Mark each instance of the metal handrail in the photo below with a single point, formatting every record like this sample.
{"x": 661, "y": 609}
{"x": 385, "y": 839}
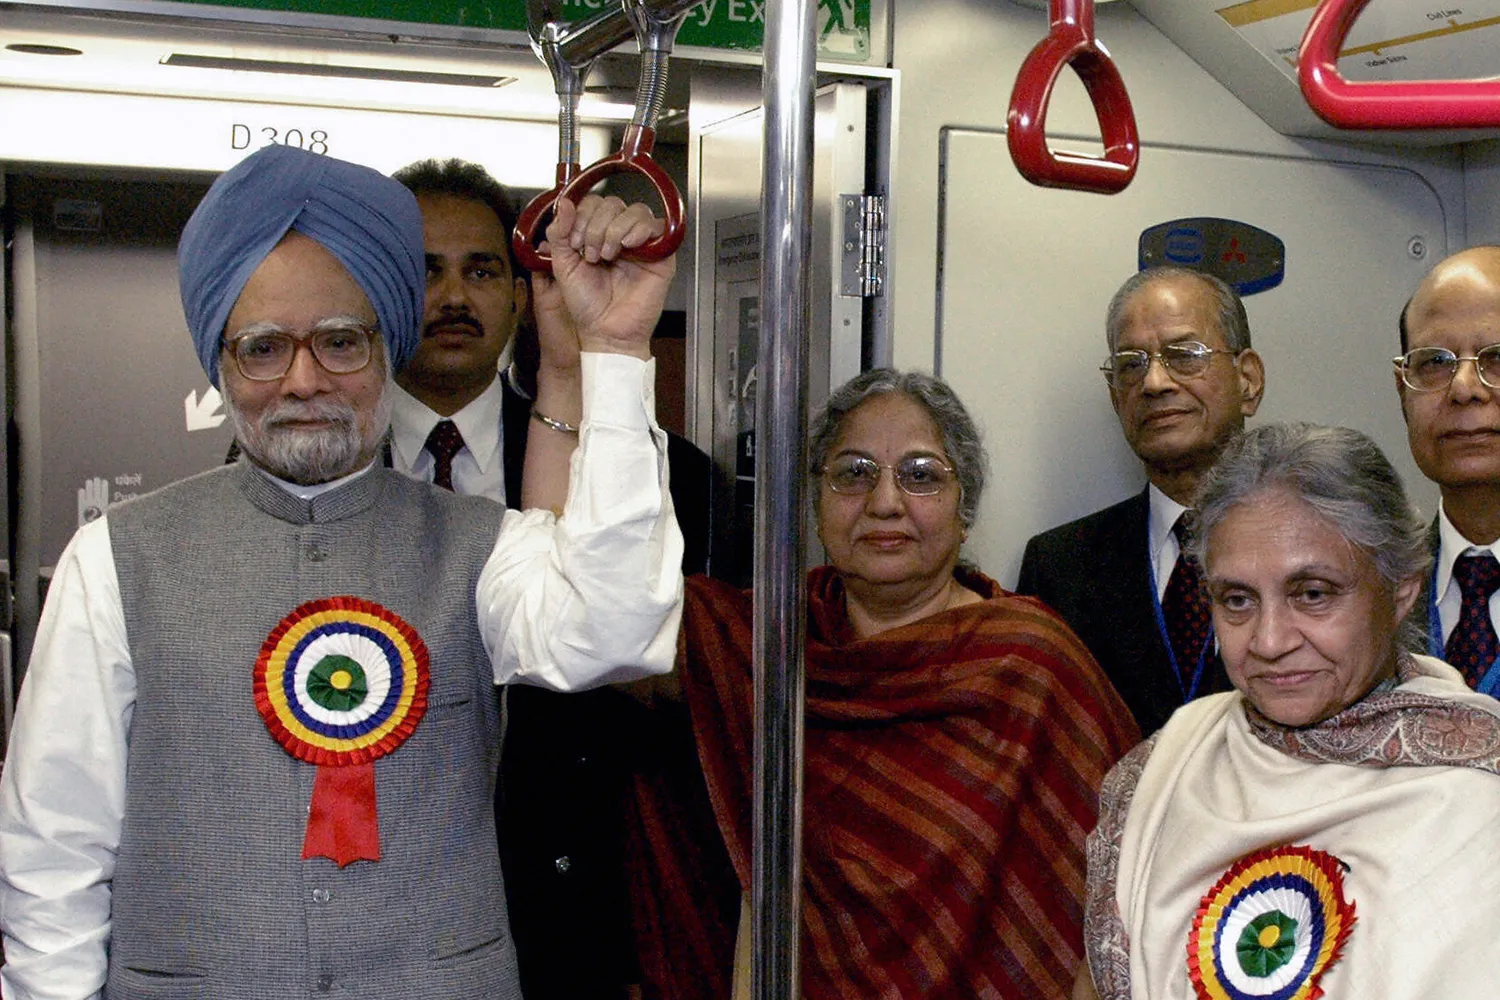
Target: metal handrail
{"x": 569, "y": 51}
{"x": 1390, "y": 104}
{"x": 1071, "y": 42}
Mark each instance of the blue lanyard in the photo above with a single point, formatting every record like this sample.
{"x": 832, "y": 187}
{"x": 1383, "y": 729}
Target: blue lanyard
{"x": 1191, "y": 691}
{"x": 1488, "y": 684}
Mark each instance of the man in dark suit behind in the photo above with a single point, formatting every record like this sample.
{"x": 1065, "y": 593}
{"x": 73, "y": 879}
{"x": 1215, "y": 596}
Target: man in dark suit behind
{"x": 566, "y": 763}
{"x": 1182, "y": 378}
{"x": 1448, "y": 378}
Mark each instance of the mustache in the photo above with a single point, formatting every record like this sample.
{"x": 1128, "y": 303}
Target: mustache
{"x": 290, "y": 411}
{"x": 449, "y": 320}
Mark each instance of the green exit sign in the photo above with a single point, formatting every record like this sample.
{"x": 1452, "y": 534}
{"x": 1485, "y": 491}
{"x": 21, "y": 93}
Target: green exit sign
{"x": 843, "y": 25}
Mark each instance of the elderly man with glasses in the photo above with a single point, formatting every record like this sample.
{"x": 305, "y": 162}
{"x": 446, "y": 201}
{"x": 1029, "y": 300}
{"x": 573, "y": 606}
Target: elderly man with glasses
{"x": 1183, "y": 379}
{"x": 255, "y": 751}
{"x": 1448, "y": 379}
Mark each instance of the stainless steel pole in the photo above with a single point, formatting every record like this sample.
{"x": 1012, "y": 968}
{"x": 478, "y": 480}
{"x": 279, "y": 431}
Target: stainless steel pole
{"x": 780, "y": 478}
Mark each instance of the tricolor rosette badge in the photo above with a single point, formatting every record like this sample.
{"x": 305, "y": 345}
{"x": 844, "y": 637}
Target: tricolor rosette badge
{"x": 1270, "y": 927}
{"x": 340, "y": 683}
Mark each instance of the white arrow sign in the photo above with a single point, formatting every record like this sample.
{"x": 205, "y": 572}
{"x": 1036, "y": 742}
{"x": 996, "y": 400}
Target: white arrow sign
{"x": 203, "y": 414}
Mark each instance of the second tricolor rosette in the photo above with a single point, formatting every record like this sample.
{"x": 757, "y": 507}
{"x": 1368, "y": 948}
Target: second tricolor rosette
{"x": 1270, "y": 927}
{"x": 340, "y": 683}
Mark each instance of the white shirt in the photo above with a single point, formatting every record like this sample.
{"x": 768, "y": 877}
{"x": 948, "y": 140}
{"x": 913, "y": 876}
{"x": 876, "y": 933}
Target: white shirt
{"x": 592, "y": 597}
{"x": 1451, "y": 545}
{"x": 479, "y": 466}
{"x": 1163, "y": 544}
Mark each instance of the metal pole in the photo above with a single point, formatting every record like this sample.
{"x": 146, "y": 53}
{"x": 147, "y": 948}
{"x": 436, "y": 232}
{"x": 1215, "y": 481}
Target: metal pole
{"x": 781, "y": 445}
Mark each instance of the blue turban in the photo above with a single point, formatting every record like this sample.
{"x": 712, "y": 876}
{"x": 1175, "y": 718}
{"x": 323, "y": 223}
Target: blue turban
{"x": 369, "y": 222}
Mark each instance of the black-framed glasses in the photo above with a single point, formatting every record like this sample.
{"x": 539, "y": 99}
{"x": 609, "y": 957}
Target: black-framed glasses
{"x": 1184, "y": 360}
{"x": 917, "y": 476}
{"x": 267, "y": 356}
{"x": 1431, "y": 369}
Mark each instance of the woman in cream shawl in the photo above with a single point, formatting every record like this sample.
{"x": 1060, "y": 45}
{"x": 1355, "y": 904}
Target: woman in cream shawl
{"x": 1332, "y": 826}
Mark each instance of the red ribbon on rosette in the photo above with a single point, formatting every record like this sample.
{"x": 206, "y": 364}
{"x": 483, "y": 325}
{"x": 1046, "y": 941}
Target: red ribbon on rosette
{"x": 340, "y": 683}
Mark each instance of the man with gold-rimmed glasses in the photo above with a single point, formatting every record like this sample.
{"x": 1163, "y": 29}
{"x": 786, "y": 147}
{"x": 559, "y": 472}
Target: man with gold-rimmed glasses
{"x": 1182, "y": 378}
{"x": 1448, "y": 378}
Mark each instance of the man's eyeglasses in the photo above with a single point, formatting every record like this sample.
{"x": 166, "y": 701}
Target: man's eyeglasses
{"x": 266, "y": 357}
{"x": 918, "y": 476}
{"x": 1430, "y": 369}
{"x": 1184, "y": 360}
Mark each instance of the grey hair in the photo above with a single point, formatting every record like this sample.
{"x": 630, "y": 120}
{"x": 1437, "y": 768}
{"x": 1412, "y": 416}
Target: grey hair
{"x": 1338, "y": 472}
{"x": 959, "y": 435}
{"x": 1234, "y": 325}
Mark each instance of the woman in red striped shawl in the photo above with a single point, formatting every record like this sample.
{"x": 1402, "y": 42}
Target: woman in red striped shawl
{"x": 956, "y": 737}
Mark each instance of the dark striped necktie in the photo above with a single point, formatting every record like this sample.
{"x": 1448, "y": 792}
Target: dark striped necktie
{"x": 1185, "y": 608}
{"x": 443, "y": 443}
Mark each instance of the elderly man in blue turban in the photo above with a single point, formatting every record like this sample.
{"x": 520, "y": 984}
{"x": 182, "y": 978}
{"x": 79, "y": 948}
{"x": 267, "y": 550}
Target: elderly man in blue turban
{"x": 256, "y": 747}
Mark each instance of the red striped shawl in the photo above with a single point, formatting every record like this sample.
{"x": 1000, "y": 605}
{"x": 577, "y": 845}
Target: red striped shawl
{"x": 952, "y": 773}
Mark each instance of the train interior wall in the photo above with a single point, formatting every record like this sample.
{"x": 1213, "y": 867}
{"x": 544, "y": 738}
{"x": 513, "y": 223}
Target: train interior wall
{"x": 995, "y": 284}
{"x": 1001, "y": 287}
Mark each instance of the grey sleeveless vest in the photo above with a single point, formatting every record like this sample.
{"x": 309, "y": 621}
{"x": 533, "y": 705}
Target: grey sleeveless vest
{"x": 211, "y": 897}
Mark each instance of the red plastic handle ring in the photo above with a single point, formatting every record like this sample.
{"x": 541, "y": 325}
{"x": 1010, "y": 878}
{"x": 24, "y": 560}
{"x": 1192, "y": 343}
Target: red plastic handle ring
{"x": 1071, "y": 43}
{"x": 523, "y": 238}
{"x": 634, "y": 157}
{"x": 1389, "y": 104}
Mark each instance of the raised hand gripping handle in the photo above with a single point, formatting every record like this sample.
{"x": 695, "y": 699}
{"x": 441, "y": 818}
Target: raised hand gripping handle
{"x": 1071, "y": 43}
{"x": 634, "y": 156}
{"x": 1393, "y": 104}
{"x": 523, "y": 238}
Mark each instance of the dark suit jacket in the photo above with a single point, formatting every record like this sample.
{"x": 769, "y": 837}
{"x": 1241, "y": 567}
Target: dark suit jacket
{"x": 1095, "y": 574}
{"x": 564, "y": 774}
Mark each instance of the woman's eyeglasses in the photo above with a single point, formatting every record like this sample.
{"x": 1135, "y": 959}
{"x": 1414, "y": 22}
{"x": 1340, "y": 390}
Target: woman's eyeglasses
{"x": 918, "y": 476}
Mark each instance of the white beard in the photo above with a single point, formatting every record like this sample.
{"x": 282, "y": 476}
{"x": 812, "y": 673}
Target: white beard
{"x": 310, "y": 457}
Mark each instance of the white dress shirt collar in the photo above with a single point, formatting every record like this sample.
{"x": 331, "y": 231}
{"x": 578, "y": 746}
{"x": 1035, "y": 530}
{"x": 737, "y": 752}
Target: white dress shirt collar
{"x": 478, "y": 422}
{"x": 1164, "y": 549}
{"x": 1451, "y": 545}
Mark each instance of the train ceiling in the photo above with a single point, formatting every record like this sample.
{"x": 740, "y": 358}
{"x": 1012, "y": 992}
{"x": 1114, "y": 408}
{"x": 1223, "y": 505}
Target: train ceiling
{"x": 1250, "y": 47}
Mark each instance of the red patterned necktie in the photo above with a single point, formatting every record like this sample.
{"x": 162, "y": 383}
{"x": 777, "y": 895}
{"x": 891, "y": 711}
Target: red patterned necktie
{"x": 1185, "y": 608}
{"x": 1472, "y": 645}
{"x": 443, "y": 443}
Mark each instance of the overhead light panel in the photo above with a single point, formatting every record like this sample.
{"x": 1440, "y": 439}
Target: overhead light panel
{"x": 191, "y": 61}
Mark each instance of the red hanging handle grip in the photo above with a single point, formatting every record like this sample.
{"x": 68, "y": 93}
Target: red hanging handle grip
{"x": 1393, "y": 104}
{"x": 634, "y": 156}
{"x": 523, "y": 238}
{"x": 1071, "y": 43}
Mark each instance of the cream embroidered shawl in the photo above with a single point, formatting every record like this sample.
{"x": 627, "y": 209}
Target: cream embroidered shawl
{"x": 1403, "y": 787}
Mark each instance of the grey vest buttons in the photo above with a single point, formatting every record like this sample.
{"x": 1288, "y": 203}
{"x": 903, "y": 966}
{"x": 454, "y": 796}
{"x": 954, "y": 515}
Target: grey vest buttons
{"x": 321, "y": 895}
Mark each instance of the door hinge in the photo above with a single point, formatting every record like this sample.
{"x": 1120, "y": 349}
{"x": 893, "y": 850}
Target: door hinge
{"x": 864, "y": 245}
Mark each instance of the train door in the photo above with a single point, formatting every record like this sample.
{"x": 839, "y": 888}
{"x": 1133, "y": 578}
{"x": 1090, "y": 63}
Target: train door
{"x": 109, "y": 399}
{"x": 725, "y": 180}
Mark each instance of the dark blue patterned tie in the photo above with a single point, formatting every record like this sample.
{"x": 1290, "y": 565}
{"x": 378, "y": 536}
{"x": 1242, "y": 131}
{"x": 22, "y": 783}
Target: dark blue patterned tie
{"x": 1472, "y": 645}
{"x": 1185, "y": 608}
{"x": 444, "y": 442}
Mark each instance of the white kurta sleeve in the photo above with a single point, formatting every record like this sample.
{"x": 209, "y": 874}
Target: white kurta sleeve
{"x": 594, "y": 596}
{"x": 62, "y": 795}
